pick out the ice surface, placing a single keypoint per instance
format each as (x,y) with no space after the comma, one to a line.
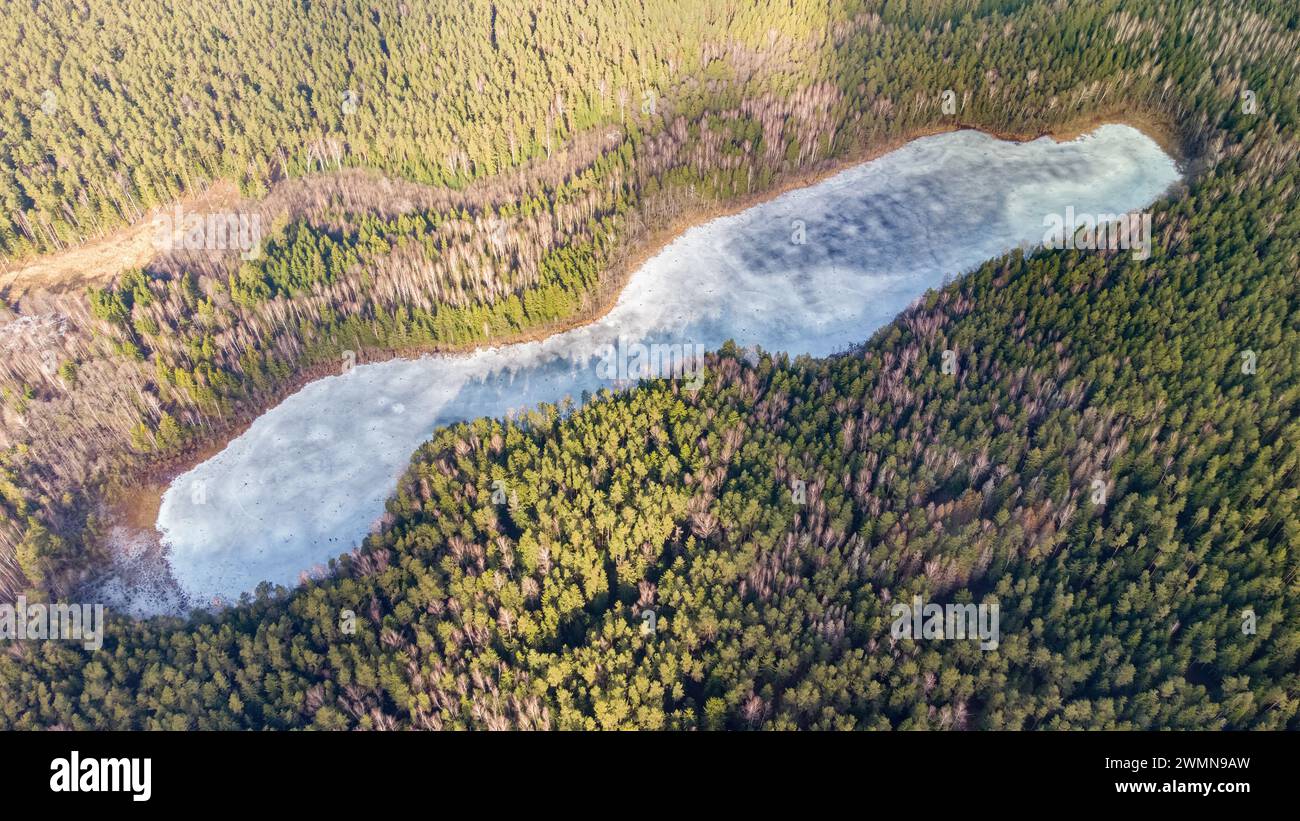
(309,478)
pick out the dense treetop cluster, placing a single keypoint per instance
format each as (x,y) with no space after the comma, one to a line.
(1074,370)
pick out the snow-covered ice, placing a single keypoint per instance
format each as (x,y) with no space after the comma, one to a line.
(309,478)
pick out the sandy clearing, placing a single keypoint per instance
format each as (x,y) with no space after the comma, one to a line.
(98,261)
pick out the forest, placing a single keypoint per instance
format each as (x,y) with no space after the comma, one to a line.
(445,225)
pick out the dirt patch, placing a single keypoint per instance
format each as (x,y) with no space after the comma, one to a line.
(91,263)
(99,261)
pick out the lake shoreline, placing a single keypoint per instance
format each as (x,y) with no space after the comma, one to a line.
(136,501)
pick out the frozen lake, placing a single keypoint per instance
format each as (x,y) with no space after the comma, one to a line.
(308,479)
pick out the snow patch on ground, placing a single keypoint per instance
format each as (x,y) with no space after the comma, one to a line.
(140,583)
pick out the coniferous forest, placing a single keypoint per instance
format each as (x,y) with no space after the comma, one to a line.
(438,174)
